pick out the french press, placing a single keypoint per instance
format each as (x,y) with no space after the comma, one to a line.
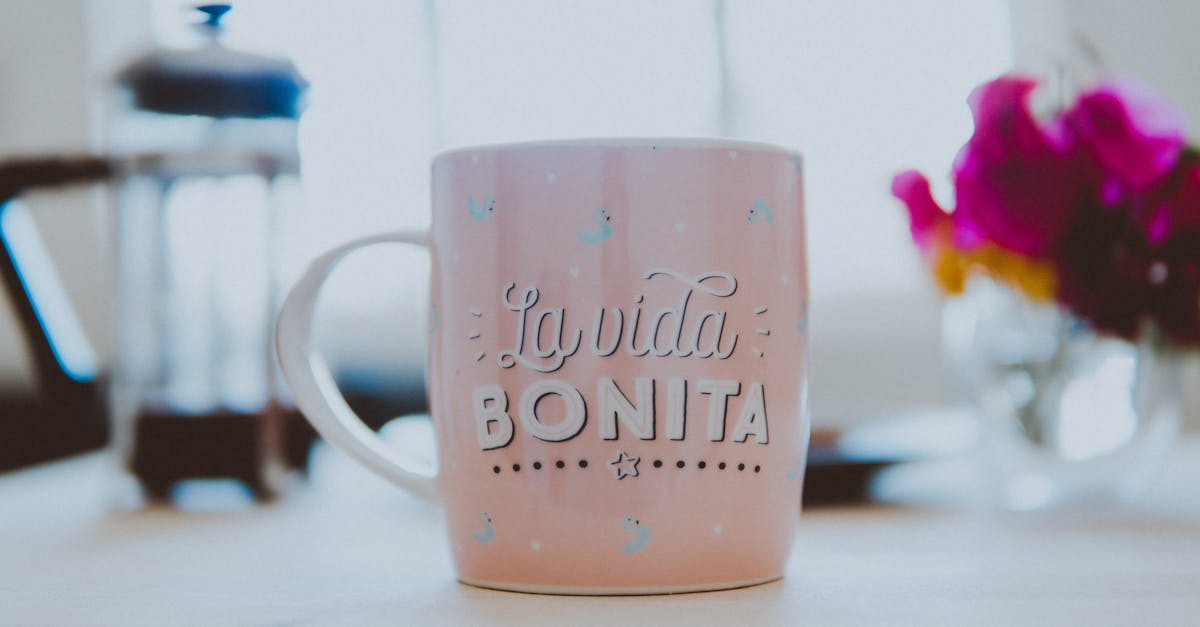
(203,165)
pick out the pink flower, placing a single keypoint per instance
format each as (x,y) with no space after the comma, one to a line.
(1103,272)
(1106,193)
(1017,182)
(1174,293)
(925,217)
(1173,205)
(1133,135)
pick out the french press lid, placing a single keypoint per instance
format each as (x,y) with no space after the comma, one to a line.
(215,81)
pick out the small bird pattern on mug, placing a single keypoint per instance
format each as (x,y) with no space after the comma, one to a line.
(603,231)
(760,212)
(640,535)
(480,212)
(488,532)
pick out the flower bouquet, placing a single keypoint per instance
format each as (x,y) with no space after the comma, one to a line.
(1075,240)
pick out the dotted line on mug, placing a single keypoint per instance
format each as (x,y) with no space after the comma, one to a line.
(658,463)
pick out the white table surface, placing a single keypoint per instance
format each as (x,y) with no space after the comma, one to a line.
(347,549)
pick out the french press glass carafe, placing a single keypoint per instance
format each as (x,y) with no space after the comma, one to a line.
(204,162)
(209,136)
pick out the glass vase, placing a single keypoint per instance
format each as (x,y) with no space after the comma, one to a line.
(1070,416)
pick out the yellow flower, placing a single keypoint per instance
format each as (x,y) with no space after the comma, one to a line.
(951,267)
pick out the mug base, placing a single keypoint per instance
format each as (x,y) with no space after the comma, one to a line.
(616,590)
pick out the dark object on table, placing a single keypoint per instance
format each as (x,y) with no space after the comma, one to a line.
(233,445)
(835,477)
(843,463)
(216,445)
(66,415)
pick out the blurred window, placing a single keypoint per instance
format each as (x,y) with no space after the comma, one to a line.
(862,88)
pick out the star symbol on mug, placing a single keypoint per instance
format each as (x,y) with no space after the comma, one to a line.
(625,465)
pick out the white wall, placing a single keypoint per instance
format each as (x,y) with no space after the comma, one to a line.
(43,107)
(55,58)
(1155,41)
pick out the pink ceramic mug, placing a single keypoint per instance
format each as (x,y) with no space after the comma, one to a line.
(617,363)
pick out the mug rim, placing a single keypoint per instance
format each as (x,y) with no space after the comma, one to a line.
(719,143)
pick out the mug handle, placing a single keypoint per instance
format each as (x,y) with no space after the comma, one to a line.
(313,386)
